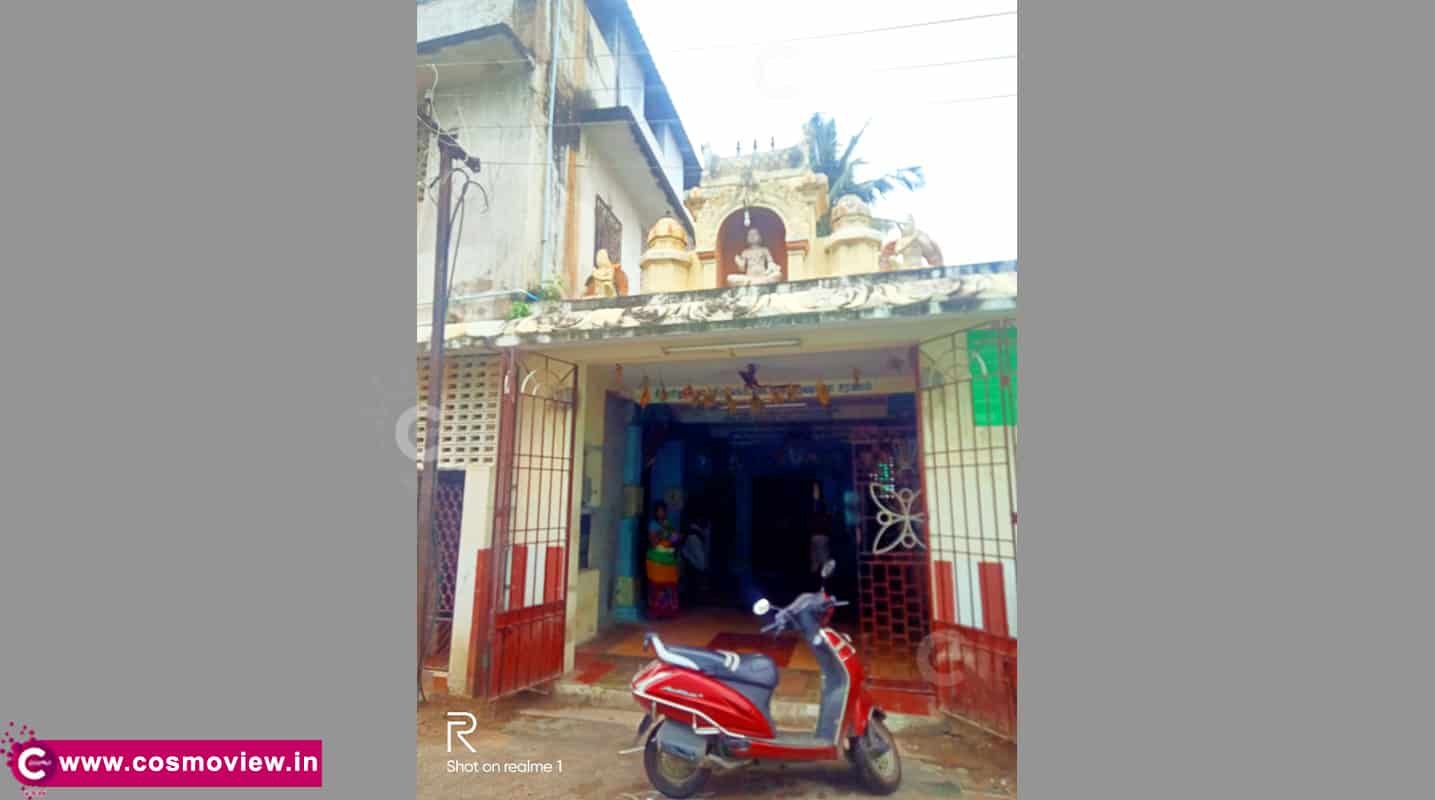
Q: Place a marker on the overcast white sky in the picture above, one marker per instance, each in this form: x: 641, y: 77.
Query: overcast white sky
x: 735, y: 75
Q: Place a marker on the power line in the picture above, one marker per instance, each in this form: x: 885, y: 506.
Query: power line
x: 644, y: 89
x: 891, y: 28
x: 641, y: 167
x: 662, y: 120
x: 736, y: 45
x: 901, y: 67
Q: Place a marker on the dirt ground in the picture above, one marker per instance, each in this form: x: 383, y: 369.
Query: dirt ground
x: 546, y: 748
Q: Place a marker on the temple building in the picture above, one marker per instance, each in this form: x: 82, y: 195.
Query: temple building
x: 781, y: 394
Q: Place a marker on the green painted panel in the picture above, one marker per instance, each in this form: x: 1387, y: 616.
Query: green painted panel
x: 994, y: 393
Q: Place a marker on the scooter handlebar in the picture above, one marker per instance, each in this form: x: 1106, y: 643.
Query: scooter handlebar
x: 783, y: 619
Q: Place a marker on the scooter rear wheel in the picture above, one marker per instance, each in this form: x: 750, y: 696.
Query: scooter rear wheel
x: 673, y: 776
x: 880, y: 773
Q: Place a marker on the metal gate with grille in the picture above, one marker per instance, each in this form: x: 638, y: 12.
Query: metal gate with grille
x: 894, y: 612
x: 532, y: 515
x: 967, y: 411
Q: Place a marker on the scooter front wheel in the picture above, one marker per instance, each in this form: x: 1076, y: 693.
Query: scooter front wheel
x: 875, y: 758
x: 673, y: 776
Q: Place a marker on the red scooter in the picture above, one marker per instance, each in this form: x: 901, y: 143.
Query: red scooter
x: 710, y: 709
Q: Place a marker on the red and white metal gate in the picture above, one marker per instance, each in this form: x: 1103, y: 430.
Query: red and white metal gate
x: 967, y: 412
x: 893, y: 604
x: 532, y: 514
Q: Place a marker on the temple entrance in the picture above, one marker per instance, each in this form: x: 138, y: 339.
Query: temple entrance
x: 761, y: 468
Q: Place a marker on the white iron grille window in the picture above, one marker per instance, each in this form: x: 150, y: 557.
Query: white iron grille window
x: 468, y: 432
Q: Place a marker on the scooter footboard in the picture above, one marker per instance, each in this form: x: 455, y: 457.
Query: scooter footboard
x: 679, y: 740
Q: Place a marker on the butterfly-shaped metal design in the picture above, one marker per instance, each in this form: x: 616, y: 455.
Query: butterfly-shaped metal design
x: 886, y: 517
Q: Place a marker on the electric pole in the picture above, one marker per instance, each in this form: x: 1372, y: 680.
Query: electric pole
x: 448, y: 150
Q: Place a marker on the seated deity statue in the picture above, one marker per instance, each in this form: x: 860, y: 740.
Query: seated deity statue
x: 755, y: 265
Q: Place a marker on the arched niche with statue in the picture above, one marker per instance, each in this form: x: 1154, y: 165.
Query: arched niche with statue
x: 782, y: 198
x: 733, y: 241
x: 754, y: 219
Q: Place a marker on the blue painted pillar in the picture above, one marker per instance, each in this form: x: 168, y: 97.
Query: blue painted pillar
x: 625, y: 585
x: 667, y: 483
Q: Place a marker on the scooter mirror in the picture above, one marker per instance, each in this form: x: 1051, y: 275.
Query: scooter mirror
x: 829, y: 567
x: 761, y: 607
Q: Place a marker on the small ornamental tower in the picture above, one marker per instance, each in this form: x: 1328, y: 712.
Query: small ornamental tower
x: 854, y: 244
x: 668, y: 264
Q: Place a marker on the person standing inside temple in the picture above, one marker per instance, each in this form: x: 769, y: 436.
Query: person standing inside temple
x: 820, y: 530
x: 662, y: 564
x: 696, y: 547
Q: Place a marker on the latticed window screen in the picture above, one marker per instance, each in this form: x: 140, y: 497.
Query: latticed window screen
x: 468, y: 433
x: 448, y: 522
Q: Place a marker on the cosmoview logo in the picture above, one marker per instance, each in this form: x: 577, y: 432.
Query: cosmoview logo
x: 36, y: 763
x: 405, y: 429
x: 31, y: 761
x: 940, y: 660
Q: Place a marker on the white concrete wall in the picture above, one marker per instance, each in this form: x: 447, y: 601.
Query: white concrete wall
x: 602, y: 68
x: 498, y: 248
x: 601, y: 177
x: 568, y: 44
x: 475, y: 534
x: 630, y: 74
x: 575, y: 500
x: 501, y: 117
x: 440, y: 18
x: 670, y: 156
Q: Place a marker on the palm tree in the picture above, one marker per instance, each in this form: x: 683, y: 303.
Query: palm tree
x: 820, y: 136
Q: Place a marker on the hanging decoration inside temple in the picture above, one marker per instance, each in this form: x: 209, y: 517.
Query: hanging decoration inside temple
x: 749, y: 378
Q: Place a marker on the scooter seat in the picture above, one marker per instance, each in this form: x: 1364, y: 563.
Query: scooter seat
x: 755, y: 669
